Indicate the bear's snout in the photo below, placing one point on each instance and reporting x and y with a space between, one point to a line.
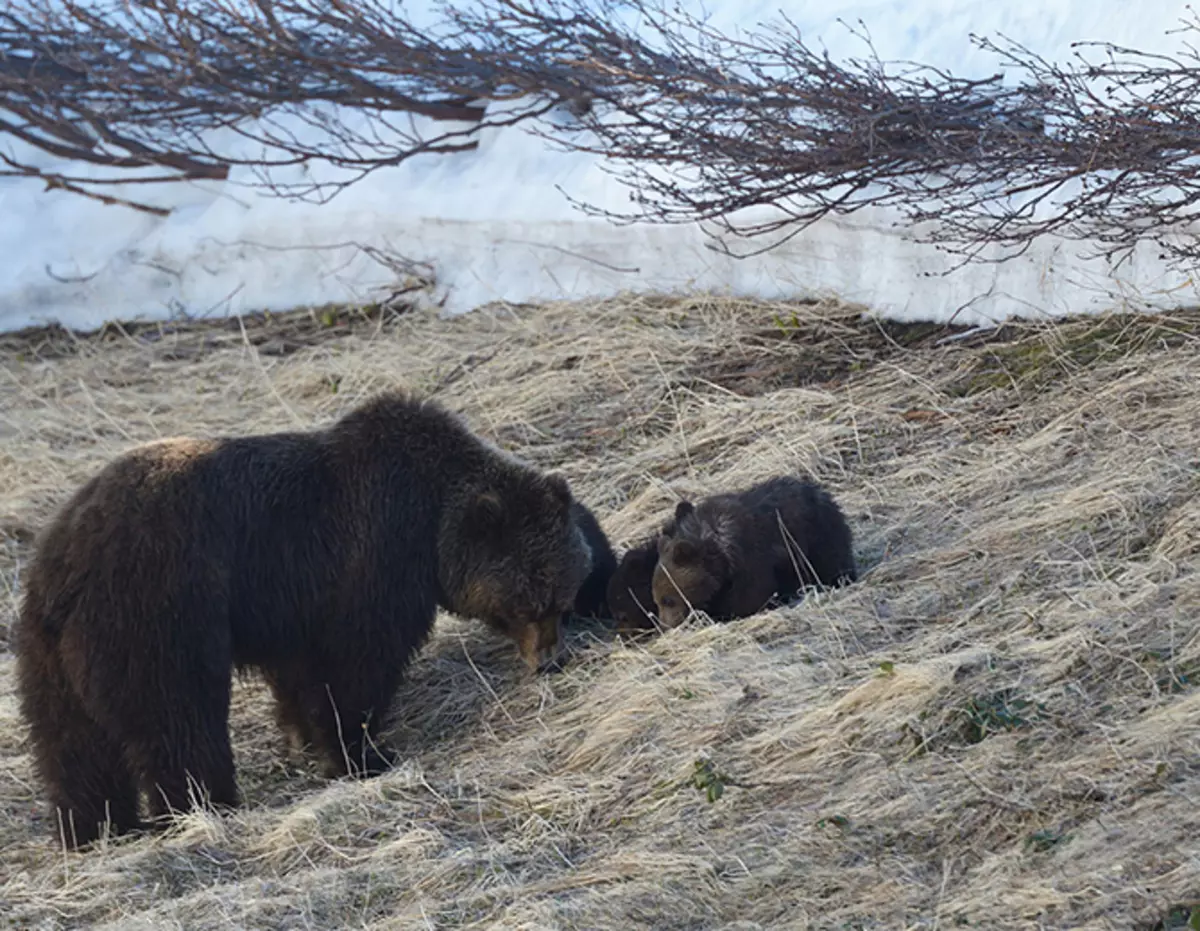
541 645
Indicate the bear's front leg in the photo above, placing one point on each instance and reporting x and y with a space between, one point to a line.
340 718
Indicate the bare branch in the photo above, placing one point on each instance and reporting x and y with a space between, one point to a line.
702 126
202 86
756 134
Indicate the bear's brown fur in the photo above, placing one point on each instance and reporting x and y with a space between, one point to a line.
630 598
318 558
590 601
730 554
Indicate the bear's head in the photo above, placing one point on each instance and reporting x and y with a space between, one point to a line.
630 599
692 568
515 559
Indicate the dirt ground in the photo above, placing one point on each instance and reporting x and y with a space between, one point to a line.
997 727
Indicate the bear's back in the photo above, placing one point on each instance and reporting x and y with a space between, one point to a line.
336 524
814 523
269 530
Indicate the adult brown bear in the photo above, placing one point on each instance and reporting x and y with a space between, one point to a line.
318 558
731 553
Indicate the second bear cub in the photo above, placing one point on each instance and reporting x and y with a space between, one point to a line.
590 601
731 553
630 598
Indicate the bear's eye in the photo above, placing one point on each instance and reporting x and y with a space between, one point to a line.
670 603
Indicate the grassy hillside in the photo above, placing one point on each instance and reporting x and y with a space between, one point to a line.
999 727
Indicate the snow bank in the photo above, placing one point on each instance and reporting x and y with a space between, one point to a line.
493 226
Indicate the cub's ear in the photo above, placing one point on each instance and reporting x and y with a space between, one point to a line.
485 515
643 556
686 553
559 488
683 509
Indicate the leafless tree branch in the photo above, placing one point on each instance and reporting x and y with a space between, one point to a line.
203 86
700 125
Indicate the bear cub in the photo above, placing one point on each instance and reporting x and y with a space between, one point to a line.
630 592
591 601
318 558
731 553
630 597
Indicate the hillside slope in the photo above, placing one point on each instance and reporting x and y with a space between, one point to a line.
998 727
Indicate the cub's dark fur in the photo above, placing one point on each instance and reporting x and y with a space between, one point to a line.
590 602
630 597
729 554
318 558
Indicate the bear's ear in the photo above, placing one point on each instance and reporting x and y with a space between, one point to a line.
686 552
683 509
485 514
559 488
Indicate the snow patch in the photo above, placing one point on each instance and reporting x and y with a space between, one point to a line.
494 226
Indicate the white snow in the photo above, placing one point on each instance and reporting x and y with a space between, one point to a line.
493 226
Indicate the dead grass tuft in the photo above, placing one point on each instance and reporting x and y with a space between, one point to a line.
997 728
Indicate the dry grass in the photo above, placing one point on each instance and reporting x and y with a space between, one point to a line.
999 727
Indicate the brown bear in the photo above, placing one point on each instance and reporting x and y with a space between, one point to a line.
730 554
630 598
591 601
318 558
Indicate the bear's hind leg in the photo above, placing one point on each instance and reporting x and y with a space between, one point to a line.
90 784
179 744
93 789
187 758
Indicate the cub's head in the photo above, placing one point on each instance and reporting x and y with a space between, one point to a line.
691 569
514 558
630 599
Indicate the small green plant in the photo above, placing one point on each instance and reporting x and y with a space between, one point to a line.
887 668
1000 711
1185 917
785 325
837 821
706 778
1041 841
